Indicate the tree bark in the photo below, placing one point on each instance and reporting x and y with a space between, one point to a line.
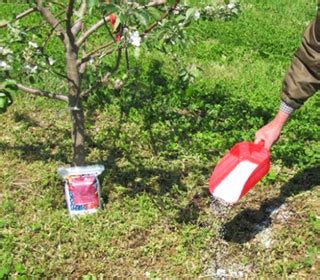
76 111
74 78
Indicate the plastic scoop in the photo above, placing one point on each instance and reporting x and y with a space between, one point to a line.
239 171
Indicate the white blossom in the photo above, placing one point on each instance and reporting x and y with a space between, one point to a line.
135 39
91 61
125 30
177 10
32 44
231 5
10 58
5 51
197 15
31 69
4 65
51 61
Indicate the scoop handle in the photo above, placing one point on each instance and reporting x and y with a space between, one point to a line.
261 143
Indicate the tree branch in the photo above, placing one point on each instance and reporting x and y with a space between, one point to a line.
103 81
93 52
70 14
108 29
50 18
156 23
82 67
61 5
79 23
22 15
92 29
42 93
69 24
50 34
153 4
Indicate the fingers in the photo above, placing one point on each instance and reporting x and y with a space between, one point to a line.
266 142
267 145
257 140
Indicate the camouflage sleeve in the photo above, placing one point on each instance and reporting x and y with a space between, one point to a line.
303 77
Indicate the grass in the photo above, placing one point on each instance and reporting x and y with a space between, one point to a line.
157 221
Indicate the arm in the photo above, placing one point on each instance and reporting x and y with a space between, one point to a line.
270 133
303 77
300 83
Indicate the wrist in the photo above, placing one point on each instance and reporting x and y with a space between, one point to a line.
284 107
280 119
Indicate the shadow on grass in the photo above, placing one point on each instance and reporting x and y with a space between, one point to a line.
191 212
24 118
169 114
160 99
248 223
37 151
138 178
33 141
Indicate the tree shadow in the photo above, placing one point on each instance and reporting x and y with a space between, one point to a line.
45 145
182 110
248 223
191 212
138 178
38 151
24 118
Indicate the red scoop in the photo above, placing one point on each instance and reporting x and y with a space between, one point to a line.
244 151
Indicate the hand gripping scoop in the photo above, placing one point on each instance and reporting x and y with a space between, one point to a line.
238 171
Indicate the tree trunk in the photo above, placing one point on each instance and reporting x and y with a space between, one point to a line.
77 115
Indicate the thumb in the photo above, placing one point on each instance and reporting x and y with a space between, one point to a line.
258 139
266 144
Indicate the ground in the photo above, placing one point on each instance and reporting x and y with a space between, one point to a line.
158 219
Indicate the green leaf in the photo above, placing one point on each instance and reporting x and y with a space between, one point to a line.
118 22
111 8
92 4
20 268
4 271
8 85
190 13
154 13
180 18
143 17
3 22
171 2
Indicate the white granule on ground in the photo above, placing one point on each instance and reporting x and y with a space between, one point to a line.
279 214
223 268
235 271
231 187
265 238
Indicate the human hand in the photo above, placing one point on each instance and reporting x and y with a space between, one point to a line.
270 133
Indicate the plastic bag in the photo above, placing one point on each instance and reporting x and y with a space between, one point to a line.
82 188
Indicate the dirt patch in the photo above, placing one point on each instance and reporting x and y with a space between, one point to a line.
137 238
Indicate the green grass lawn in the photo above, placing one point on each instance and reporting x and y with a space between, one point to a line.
157 221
